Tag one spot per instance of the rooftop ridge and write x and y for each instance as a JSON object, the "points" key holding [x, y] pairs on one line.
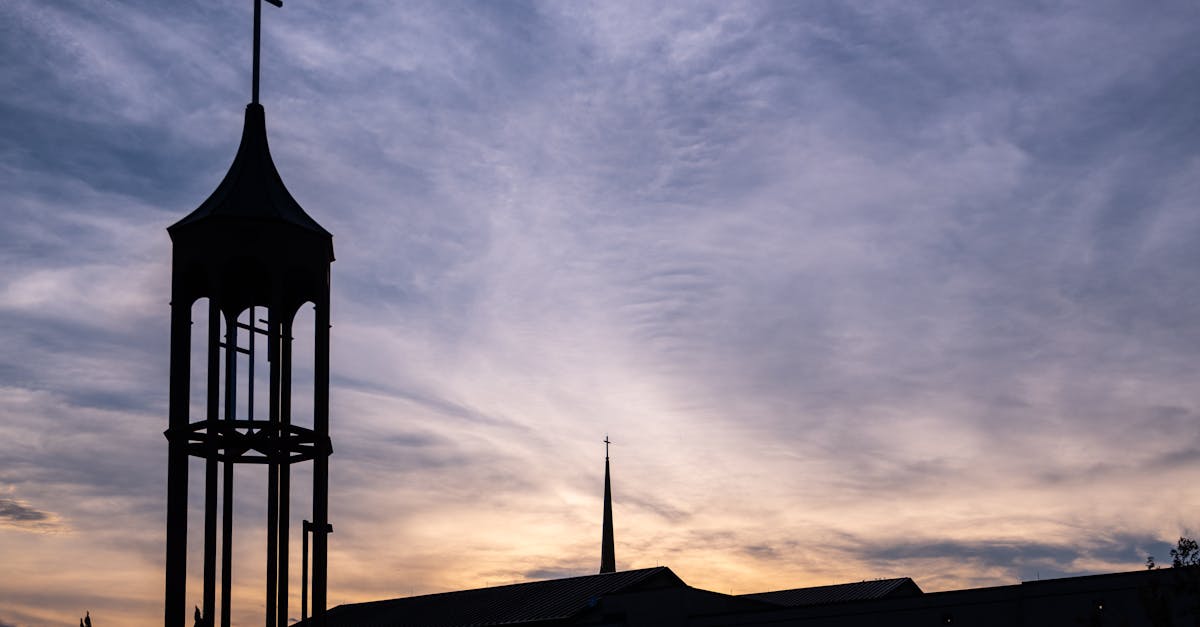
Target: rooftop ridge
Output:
{"points": [[642, 571], [832, 585]]}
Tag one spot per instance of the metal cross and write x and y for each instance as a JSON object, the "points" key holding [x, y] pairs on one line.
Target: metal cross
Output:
{"points": [[257, 38], [606, 443]]}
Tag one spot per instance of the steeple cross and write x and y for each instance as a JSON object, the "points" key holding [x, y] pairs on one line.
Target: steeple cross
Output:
{"points": [[606, 443], [257, 40]]}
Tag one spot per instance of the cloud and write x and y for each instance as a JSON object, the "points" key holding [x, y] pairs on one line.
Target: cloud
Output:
{"points": [[553, 573], [18, 515], [1009, 554], [14, 511], [1016, 559]]}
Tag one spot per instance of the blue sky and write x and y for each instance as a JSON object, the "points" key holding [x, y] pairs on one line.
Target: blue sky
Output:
{"points": [[857, 289]]}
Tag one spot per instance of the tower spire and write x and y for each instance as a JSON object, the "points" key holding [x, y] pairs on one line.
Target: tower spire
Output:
{"points": [[608, 560]]}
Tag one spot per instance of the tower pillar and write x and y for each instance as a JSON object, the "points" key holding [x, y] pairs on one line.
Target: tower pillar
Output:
{"points": [[177, 460]]}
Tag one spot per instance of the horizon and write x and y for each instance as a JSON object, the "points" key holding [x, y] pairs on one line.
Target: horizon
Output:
{"points": [[859, 291]]}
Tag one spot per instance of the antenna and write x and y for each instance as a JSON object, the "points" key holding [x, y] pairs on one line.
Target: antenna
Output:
{"points": [[257, 44]]}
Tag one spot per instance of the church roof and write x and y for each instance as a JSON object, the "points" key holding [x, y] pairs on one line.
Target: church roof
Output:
{"points": [[860, 591], [253, 189], [517, 604]]}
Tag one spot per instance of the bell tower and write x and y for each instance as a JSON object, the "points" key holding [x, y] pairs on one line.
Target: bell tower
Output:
{"points": [[257, 257]]}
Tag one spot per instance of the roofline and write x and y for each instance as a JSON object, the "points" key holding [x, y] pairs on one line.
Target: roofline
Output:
{"points": [[647, 571], [832, 585]]}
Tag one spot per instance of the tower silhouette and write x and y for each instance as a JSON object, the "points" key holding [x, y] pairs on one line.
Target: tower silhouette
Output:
{"points": [[252, 251], [608, 559]]}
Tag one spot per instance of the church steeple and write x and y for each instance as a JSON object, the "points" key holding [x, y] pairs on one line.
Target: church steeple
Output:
{"points": [[608, 560]]}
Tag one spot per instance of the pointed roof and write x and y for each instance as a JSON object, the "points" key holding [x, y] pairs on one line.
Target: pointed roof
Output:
{"points": [[253, 189], [608, 557], [523, 603]]}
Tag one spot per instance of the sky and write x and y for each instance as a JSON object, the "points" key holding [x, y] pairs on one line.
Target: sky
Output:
{"points": [[857, 289]]}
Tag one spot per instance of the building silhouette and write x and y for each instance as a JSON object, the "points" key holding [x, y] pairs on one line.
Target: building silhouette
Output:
{"points": [[657, 597]]}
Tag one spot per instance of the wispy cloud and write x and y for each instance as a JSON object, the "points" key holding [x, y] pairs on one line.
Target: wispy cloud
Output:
{"points": [[18, 515]]}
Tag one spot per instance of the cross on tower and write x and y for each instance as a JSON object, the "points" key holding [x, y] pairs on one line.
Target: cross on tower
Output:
{"points": [[606, 443], [257, 39]]}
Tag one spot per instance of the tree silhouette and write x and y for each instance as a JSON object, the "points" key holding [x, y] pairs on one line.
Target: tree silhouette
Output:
{"points": [[1185, 553], [1163, 602]]}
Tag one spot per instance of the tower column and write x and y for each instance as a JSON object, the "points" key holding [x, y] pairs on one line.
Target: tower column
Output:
{"points": [[320, 545], [284, 353], [227, 471], [211, 465], [177, 462], [273, 466]]}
